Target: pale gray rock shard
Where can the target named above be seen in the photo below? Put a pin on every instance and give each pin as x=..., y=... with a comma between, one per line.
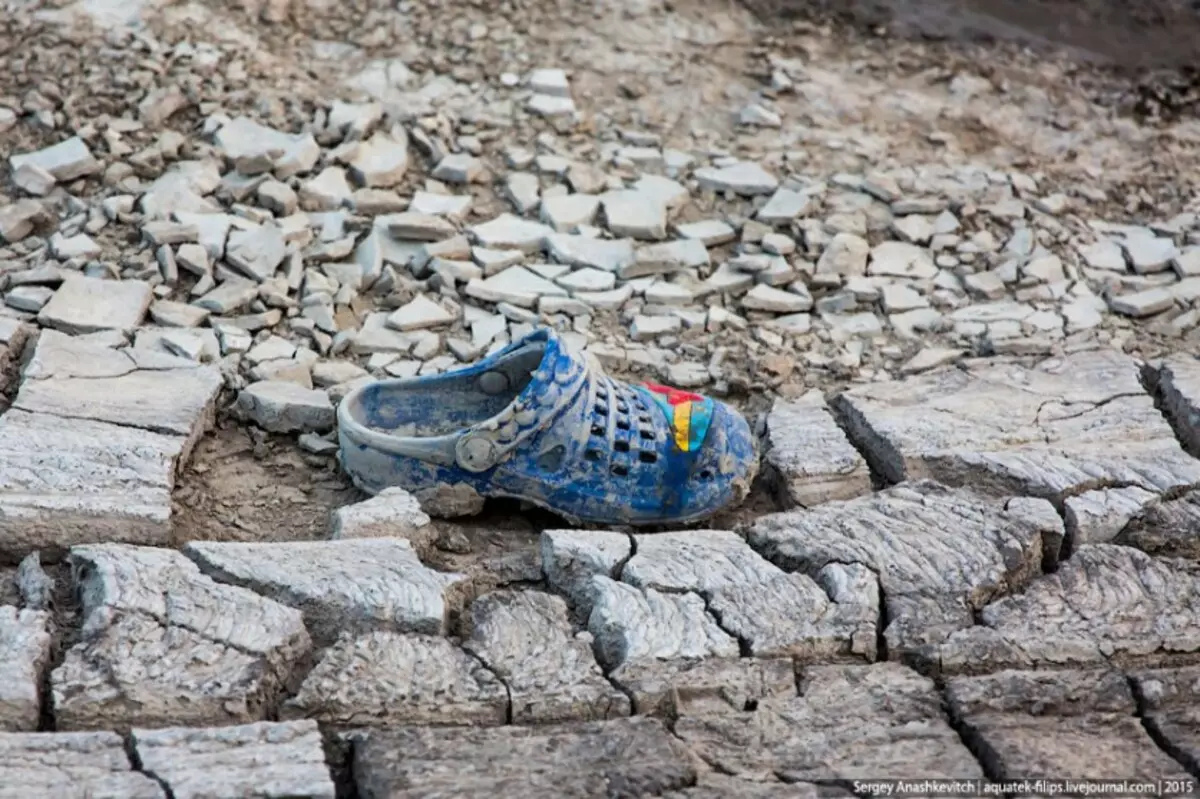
x=945, y=554
x=66, y=161
x=666, y=257
x=845, y=254
x=265, y=759
x=671, y=194
x=88, y=305
x=1069, y=424
x=74, y=378
x=1149, y=254
x=1143, y=303
x=162, y=644
x=634, y=214
x=566, y=212
x=388, y=678
x=516, y=285
x=253, y=147
x=900, y=259
x=571, y=557
x=812, y=458
x=1073, y=724
x=79, y=765
x=1105, y=604
x=632, y=757
x=769, y=611
x=18, y=220
x=381, y=160
x=849, y=722
x=412, y=226
x=24, y=656
x=258, y=252
x=745, y=178
x=1104, y=254
x=610, y=255
x=509, y=232
x=631, y=625
x=525, y=638
x=352, y=585
x=392, y=513
x=72, y=481
x=280, y=406
x=785, y=206
x=452, y=206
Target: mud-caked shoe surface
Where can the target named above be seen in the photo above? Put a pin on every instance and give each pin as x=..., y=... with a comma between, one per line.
x=537, y=422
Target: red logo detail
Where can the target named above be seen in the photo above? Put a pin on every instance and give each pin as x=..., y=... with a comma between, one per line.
x=674, y=396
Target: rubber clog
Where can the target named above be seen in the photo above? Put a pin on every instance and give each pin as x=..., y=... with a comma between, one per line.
x=537, y=421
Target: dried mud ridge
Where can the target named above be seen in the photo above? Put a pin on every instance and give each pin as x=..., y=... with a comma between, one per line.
x=1020, y=599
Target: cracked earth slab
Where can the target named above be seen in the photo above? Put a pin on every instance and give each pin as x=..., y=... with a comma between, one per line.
x=1073, y=724
x=1106, y=604
x=1071, y=424
x=707, y=593
x=1170, y=704
x=525, y=638
x=24, y=653
x=623, y=757
x=352, y=585
x=91, y=764
x=386, y=678
x=79, y=378
x=162, y=644
x=940, y=554
x=848, y=722
x=265, y=759
x=812, y=459
x=90, y=449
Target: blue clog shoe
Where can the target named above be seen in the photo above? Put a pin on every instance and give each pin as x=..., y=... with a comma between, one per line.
x=537, y=422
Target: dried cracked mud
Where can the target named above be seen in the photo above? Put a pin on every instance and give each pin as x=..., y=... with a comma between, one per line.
x=953, y=285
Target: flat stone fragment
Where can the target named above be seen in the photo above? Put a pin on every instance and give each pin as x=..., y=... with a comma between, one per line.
x=388, y=678
x=258, y=252
x=77, y=379
x=623, y=757
x=635, y=215
x=509, y=232
x=88, y=305
x=745, y=178
x=526, y=639
x=162, y=644
x=1105, y=604
x=939, y=554
x=392, y=513
x=1069, y=424
x=1171, y=709
x=352, y=585
x=814, y=460
x=24, y=654
x=66, y=161
x=849, y=722
x=78, y=765
x=267, y=760
x=72, y=481
x=769, y=611
x=280, y=406
x=1070, y=724
x=610, y=255
x=1143, y=303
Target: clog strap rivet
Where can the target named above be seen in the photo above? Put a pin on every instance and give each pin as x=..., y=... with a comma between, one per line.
x=476, y=453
